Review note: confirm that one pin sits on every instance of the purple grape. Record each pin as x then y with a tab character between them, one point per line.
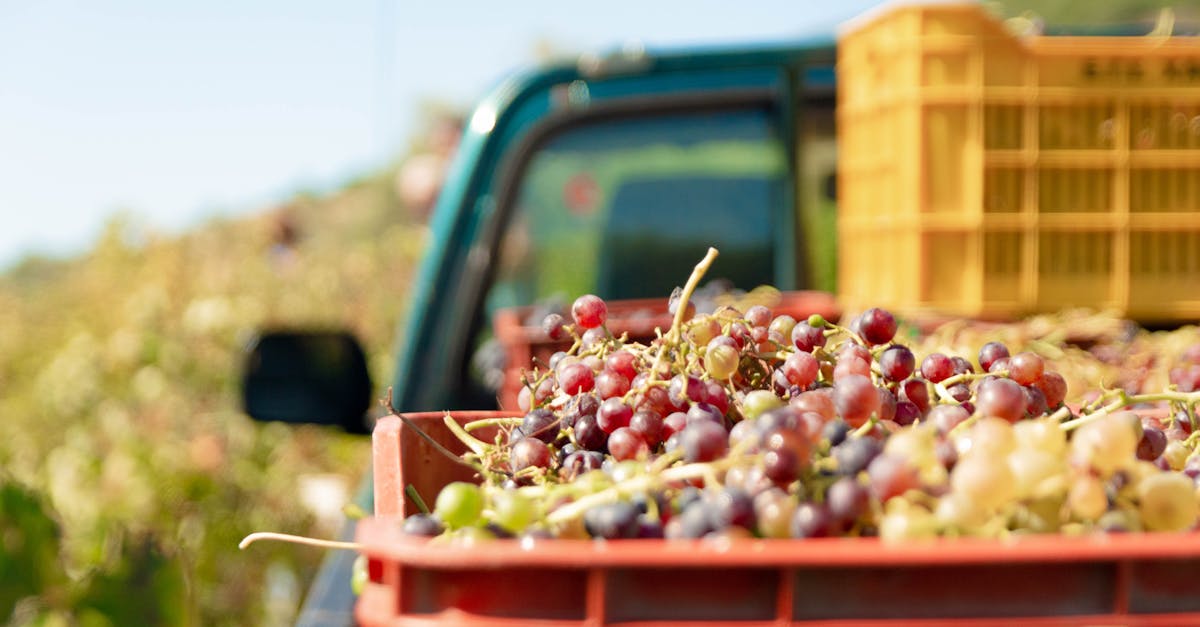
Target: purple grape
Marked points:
877	326
897	363
423	525
807	338
612	521
541	424
703	441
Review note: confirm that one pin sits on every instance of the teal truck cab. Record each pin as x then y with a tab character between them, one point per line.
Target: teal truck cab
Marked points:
612	176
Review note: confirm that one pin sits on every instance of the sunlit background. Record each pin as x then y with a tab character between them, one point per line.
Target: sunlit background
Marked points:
176	111
174	176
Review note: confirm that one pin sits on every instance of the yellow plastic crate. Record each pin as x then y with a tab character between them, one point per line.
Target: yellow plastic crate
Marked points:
990	175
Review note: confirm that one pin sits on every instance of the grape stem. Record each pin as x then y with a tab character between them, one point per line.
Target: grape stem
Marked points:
425	436
287	537
865	427
489	422
640	483
412	493
1123	400
476	445
942	387
681	307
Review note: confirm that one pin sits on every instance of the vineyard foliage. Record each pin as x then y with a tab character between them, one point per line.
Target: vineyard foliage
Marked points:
128	473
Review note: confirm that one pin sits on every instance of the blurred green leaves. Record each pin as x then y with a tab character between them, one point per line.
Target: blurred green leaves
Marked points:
129	472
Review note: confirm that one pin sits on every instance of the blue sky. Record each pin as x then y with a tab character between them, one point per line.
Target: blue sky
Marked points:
178	110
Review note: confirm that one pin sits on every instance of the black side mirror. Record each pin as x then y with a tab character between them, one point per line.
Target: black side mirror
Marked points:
316	377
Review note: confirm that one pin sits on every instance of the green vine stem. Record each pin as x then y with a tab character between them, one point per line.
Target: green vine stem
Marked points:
1124	400
636	484
287	537
681	307
477	446
475	425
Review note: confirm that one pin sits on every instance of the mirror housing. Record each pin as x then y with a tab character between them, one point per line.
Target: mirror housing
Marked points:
312	377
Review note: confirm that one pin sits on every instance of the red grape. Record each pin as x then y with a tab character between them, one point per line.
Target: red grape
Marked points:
703	441
878	326
891	476
1025	368
989	353
613	414
609	384
589	311
916	391
1054	387
800	369
806	338
648	424
937	367
529	452
758	316
897	363
1003	398
819	401
855	398
575	378
554	325
625	443
623	363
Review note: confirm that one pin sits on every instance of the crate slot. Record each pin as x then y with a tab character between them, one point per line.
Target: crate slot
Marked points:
1003	127
1088	125
526	593
1062	190
1002	263
691	594
1164	586
1075	268
1165	126
946	70
1163	263
1003	190
1164	190
944	157
962	591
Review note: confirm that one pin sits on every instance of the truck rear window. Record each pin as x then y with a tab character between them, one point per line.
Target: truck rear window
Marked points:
624	208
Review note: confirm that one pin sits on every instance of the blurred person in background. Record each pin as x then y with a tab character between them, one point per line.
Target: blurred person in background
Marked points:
422	173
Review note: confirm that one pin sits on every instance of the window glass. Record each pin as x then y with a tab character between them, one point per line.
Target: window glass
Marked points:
625	208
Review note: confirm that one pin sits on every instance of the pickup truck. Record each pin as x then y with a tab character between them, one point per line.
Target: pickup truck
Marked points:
611	175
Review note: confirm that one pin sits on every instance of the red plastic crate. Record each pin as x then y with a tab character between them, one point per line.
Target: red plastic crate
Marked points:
1135	579
637	317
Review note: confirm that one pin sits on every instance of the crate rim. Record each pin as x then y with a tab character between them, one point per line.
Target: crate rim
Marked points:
382	537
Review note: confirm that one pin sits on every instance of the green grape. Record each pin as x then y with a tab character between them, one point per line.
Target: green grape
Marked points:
1087	498
907	523
783	324
513	510
956	511
1107	445
720	361
759	402
1176	454
1031	468
774	510
991	437
358	576
703	329
1040	434
1167	502
982	480
459	504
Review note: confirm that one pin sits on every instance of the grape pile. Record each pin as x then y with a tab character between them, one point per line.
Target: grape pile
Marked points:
750	424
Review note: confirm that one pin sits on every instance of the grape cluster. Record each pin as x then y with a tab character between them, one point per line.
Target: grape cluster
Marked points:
746	423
